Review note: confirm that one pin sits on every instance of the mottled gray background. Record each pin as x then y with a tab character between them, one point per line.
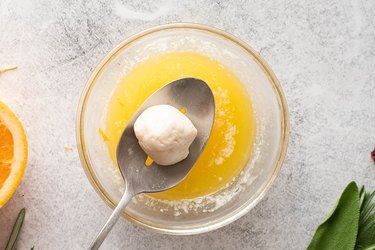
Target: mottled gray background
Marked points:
323	53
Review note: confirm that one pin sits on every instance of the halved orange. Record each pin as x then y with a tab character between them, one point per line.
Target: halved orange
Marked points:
13	153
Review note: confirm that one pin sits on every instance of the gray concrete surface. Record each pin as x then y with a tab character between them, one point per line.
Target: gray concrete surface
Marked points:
323	53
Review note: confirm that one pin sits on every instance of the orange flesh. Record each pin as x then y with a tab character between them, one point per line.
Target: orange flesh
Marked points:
6	153
233	134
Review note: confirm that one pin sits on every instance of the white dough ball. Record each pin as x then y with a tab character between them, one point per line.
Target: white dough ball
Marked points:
165	134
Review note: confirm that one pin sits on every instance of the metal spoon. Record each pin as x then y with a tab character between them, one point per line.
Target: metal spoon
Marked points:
197	99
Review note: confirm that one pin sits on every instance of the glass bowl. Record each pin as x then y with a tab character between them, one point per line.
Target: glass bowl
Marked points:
208	213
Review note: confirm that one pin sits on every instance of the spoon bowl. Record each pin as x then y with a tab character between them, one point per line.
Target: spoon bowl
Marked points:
196	98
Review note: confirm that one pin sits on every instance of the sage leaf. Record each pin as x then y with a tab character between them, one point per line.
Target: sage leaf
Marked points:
366	226
339	230
16	230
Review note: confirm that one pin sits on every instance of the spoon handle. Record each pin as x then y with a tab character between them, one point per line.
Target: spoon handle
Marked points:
126	198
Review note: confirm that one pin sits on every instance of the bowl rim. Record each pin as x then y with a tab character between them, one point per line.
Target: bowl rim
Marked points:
239	211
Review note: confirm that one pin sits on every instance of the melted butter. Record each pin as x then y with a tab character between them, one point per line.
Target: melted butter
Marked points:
233	134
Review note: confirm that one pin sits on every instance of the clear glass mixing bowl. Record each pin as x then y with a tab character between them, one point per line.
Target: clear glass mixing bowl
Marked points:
202	215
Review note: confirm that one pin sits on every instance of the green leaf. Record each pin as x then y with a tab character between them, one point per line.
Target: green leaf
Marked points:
366	229
16	230
339	231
